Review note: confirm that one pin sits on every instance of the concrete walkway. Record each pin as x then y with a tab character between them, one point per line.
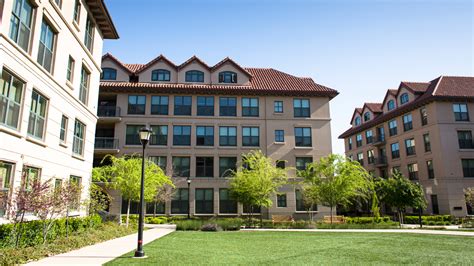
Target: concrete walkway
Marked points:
412	231
101	253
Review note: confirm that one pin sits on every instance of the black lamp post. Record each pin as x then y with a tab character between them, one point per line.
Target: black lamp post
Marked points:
145	134
189	198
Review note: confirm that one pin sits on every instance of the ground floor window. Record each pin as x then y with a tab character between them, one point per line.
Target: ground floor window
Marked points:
204	200
301	205
281	200
6	170
251	209
434	204
226	202
29	175
180	201
155	208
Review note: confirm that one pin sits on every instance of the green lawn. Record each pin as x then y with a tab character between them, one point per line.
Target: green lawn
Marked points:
255	248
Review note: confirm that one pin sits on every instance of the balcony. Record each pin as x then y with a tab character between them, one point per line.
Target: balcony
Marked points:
109	113
106	145
381	161
379	140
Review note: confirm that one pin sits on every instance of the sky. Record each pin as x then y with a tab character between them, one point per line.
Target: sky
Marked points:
360	48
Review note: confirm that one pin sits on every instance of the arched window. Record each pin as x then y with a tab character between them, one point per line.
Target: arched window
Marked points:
160	75
404	98
391	105
366	116
109	74
357	121
227	77
194	76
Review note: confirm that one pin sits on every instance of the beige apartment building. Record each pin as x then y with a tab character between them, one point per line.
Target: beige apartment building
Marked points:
50	55
423	130
204	118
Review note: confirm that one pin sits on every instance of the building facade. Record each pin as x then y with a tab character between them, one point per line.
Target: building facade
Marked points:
423	130
204	118
50	55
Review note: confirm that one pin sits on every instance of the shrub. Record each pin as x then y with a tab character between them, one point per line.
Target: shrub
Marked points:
211	227
386	225
229	224
189	225
156	220
366	220
430	220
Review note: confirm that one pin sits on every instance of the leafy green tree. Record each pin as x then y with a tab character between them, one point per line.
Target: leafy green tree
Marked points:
124	174
257	180
399	192
335	180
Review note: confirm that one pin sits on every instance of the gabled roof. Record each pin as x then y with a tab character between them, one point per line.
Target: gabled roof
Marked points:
356	111
118	62
443	88
228	60
156	59
374	107
392	92
414	87
192	59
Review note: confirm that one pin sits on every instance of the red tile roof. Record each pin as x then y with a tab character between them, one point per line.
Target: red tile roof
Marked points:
416	87
227	59
442	88
374	107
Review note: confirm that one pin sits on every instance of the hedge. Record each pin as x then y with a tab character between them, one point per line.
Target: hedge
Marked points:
430	220
32	231
366	220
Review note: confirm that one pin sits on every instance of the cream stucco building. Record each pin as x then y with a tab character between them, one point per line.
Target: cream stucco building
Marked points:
50	55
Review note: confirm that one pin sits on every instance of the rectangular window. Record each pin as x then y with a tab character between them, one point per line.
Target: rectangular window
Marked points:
136	104
468	167
380	134
300	203
182	135
424	116
303	137
46	46
430	169
280	164
6	170
434	204
249	106
407	122
227	165
84	88
360	158
182	105
302	162
227	136
227	204
63	130
11	89
460	112
89	34
369	136
204	136
70	69
181	166
79	137
228	106
180	201
37	117
427	142
76	180
279	136
159	105
465	139
281	200
413	171
410	146
160	161
301	108
132	136
29	175
159	136
349	143
395	150
392	127
155	208
205	106
251	136
204	200
20	23
278	107
370	156
204	166
359	140
77	11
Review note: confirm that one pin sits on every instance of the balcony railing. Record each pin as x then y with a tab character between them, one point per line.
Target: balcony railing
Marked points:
108	111
381	161
106	143
379	140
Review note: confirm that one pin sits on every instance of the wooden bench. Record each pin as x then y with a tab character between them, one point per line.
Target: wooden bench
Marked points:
282	219
336	219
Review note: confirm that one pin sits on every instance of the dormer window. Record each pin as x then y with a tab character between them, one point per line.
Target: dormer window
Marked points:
357	121
404	98
227	77
366	116
194	76
109	74
391	105
160	75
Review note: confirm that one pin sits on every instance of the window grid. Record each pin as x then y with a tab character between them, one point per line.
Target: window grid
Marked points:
301	108
182	135
159	105
204	136
227	136
205	106
228	106
37	117
250	136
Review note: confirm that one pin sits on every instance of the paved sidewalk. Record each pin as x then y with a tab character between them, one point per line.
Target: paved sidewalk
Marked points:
412	231
101	253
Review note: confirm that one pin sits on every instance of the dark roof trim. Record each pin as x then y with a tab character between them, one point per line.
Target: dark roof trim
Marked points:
102	18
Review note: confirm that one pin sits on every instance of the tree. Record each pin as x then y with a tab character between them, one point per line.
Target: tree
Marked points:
257	180
125	174
469	196
163	194
70	196
335	180
400	193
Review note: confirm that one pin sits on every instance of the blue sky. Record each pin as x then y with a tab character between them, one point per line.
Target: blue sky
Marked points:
361	48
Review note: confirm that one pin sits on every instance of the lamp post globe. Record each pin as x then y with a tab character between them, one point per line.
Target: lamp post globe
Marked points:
145	134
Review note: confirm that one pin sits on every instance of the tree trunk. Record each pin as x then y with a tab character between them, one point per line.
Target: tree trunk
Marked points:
128	213
20	226
331	216
67	222
399	217
154	210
